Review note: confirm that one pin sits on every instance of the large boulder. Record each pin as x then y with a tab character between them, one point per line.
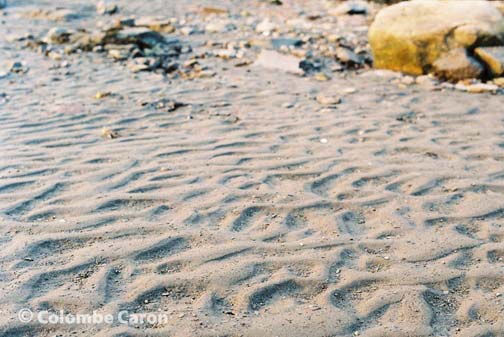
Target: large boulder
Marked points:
411	36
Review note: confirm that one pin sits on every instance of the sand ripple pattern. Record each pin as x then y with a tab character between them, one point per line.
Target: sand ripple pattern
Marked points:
233	217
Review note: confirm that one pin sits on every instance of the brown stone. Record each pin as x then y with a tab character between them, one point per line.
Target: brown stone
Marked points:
213	10
457	65
156	24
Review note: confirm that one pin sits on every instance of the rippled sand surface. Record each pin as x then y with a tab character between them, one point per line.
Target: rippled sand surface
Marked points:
237	215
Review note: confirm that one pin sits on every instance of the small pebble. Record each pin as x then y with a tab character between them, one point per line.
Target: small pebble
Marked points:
328	100
102	94
108	133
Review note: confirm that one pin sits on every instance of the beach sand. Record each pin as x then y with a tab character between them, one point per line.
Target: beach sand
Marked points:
253	210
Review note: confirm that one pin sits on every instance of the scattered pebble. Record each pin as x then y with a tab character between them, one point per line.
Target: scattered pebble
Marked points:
408	80
499	82
156	24
101	94
266	27
213	10
349	90
349	8
287	105
57	35
275	60
108	133
481	88
187	30
18	68
139	42
328	100
348	57
104	8
164	104
321	77
222	26
61	14
277	43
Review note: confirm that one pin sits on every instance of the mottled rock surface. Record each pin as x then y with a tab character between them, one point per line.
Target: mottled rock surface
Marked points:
457	65
411	36
493	57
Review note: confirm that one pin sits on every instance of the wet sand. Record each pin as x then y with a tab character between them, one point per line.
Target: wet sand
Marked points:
253	210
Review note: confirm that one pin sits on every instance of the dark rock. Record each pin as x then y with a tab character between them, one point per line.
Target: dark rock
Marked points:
18	67
310	66
274	2
143	37
170	66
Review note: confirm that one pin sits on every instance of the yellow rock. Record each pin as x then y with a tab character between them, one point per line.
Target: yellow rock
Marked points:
213	10
100	94
499	82
321	77
481	88
493	57
411	36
